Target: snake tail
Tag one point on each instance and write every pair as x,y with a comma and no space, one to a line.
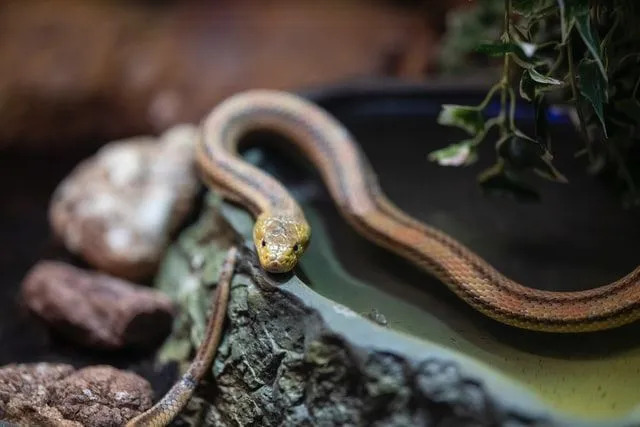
167,408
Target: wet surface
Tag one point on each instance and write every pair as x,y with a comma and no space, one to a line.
577,237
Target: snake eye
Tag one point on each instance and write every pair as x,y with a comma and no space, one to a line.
295,247
263,243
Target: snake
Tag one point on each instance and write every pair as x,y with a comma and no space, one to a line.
281,233
166,409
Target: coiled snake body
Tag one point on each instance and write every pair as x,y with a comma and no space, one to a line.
281,233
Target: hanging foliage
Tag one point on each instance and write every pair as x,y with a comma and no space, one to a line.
584,53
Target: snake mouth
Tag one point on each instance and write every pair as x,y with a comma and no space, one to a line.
273,264
276,268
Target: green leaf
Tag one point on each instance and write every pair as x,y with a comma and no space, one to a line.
576,13
462,116
532,83
568,10
590,38
522,53
500,182
498,48
462,153
527,86
522,153
593,87
546,80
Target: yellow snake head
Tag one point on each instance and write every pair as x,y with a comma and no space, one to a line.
280,241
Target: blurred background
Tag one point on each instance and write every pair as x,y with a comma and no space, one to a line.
76,74
74,71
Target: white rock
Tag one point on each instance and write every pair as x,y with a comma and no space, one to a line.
118,208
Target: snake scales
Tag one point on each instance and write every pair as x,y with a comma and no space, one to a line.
166,409
281,232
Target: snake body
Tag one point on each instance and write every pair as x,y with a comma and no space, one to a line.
281,232
166,409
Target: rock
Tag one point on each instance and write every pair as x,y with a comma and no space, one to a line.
24,394
291,357
46,394
97,310
118,208
102,396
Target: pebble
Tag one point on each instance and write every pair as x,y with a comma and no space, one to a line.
51,394
119,208
96,310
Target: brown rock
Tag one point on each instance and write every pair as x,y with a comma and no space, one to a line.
97,310
101,396
24,394
46,394
118,208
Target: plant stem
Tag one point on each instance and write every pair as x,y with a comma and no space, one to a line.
512,109
556,64
504,82
489,96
